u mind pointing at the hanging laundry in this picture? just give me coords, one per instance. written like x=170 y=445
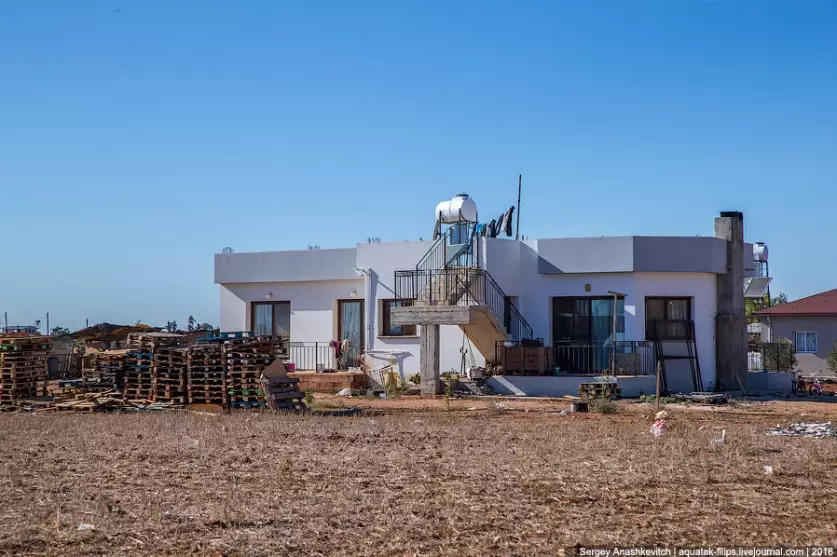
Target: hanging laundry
x=501 y=223
x=479 y=230
x=492 y=229
x=509 y=220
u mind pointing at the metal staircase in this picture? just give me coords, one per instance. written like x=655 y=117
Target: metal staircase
x=450 y=275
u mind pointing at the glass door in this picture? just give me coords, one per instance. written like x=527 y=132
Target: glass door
x=582 y=332
x=262 y=319
x=602 y=334
x=350 y=328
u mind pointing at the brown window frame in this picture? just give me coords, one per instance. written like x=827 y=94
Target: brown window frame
x=386 y=317
x=652 y=335
x=253 y=306
x=340 y=303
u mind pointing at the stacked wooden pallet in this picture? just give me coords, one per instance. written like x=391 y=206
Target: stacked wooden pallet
x=23 y=366
x=169 y=374
x=206 y=376
x=107 y=369
x=139 y=372
x=151 y=341
x=244 y=359
x=283 y=394
x=138 y=379
x=599 y=390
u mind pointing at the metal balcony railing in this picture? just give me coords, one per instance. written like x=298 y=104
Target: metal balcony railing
x=319 y=356
x=631 y=357
x=461 y=286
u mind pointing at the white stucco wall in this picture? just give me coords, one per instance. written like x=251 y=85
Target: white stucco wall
x=516 y=272
x=702 y=287
x=313 y=305
x=514 y=265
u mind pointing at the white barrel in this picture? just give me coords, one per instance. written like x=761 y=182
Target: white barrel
x=760 y=252
x=460 y=208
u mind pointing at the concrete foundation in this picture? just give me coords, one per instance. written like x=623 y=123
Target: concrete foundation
x=730 y=321
x=557 y=385
x=430 y=380
x=770 y=381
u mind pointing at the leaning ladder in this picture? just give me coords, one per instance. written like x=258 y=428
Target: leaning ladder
x=663 y=329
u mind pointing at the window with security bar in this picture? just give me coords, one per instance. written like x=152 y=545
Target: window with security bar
x=806 y=342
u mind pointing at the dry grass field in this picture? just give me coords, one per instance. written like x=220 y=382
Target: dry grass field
x=408 y=483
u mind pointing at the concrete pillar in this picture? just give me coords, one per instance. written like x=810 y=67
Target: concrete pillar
x=730 y=322
x=430 y=383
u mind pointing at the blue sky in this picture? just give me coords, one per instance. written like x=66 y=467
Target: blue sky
x=137 y=138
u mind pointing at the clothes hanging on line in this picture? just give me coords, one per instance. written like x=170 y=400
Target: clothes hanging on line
x=492 y=229
x=509 y=220
x=501 y=223
x=479 y=230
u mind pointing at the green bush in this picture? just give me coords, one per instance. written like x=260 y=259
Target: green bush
x=415 y=379
x=308 y=398
x=780 y=356
x=832 y=359
x=653 y=398
x=603 y=406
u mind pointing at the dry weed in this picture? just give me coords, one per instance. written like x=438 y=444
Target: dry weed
x=444 y=483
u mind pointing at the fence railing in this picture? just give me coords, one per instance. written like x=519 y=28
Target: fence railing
x=631 y=357
x=461 y=286
x=772 y=356
x=319 y=356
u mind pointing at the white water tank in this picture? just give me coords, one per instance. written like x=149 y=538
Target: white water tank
x=760 y=252
x=459 y=209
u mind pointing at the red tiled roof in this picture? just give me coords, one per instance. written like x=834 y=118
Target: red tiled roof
x=824 y=303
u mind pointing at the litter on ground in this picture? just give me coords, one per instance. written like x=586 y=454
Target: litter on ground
x=802 y=429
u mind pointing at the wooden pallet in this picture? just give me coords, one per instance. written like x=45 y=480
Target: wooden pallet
x=589 y=391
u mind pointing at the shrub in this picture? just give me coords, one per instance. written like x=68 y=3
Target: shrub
x=449 y=388
x=308 y=398
x=653 y=398
x=415 y=379
x=603 y=405
x=832 y=359
x=780 y=356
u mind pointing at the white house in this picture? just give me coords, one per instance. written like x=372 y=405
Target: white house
x=560 y=290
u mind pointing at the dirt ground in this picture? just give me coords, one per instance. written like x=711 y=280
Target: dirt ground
x=422 y=478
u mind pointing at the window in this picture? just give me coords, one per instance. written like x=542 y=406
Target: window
x=586 y=319
x=390 y=330
x=271 y=319
x=806 y=341
x=668 y=309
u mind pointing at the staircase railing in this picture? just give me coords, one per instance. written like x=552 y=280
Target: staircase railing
x=436 y=256
x=465 y=256
x=470 y=285
x=516 y=326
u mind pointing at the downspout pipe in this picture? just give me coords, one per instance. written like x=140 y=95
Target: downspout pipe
x=369 y=318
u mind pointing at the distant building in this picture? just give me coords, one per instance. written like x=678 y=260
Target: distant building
x=810 y=324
